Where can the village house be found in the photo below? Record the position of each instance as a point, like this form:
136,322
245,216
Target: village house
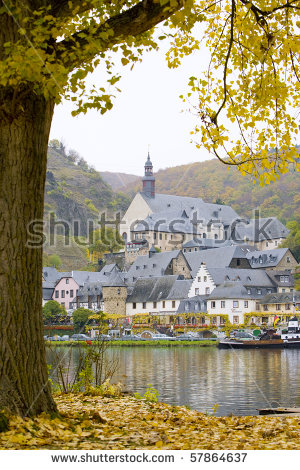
157,295
263,233
233,299
278,259
69,283
158,264
281,303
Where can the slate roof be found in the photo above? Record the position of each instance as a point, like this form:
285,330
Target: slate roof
83,277
282,298
158,288
266,258
216,258
168,208
197,304
261,229
89,292
206,243
248,277
232,290
51,275
47,293
180,289
153,266
275,276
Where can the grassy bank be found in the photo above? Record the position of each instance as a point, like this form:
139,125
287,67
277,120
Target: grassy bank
124,422
150,343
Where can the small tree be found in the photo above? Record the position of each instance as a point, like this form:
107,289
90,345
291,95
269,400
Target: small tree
81,318
54,313
55,261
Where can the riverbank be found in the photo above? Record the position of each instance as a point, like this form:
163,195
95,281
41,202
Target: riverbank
144,343
124,422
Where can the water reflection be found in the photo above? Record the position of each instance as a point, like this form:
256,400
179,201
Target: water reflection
240,382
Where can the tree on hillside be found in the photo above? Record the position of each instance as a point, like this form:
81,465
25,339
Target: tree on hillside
104,240
55,261
293,239
47,47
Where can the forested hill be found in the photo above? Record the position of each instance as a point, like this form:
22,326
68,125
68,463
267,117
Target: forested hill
76,191
211,180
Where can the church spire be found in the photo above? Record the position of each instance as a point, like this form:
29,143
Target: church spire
149,180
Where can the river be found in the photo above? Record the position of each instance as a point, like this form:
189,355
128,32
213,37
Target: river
239,382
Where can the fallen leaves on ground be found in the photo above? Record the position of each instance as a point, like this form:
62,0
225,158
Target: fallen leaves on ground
95,422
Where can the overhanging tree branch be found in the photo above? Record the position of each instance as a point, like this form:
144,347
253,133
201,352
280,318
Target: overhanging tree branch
77,50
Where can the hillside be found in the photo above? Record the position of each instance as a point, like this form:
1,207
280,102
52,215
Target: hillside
75,192
78,192
118,181
211,180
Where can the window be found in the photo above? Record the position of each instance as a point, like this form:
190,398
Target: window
165,236
62,304
197,291
222,321
134,305
187,306
277,307
276,243
56,294
288,259
235,304
287,307
160,236
199,279
154,304
207,291
62,294
257,307
248,291
173,303
216,236
154,236
286,278
259,291
205,279
283,290
266,308
213,304
214,321
236,320
238,262
67,281
222,303
71,293
196,306
144,305
246,304
164,304
269,291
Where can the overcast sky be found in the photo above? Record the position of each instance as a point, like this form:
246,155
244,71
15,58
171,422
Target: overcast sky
147,112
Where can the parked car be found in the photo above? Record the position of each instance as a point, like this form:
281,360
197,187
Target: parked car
65,338
101,338
80,337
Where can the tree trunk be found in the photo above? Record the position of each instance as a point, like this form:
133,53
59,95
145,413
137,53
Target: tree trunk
25,120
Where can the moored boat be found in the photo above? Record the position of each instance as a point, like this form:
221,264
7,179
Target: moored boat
270,339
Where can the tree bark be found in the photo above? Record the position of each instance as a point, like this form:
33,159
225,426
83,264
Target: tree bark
25,120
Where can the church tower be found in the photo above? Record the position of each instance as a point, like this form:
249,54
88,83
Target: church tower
148,179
